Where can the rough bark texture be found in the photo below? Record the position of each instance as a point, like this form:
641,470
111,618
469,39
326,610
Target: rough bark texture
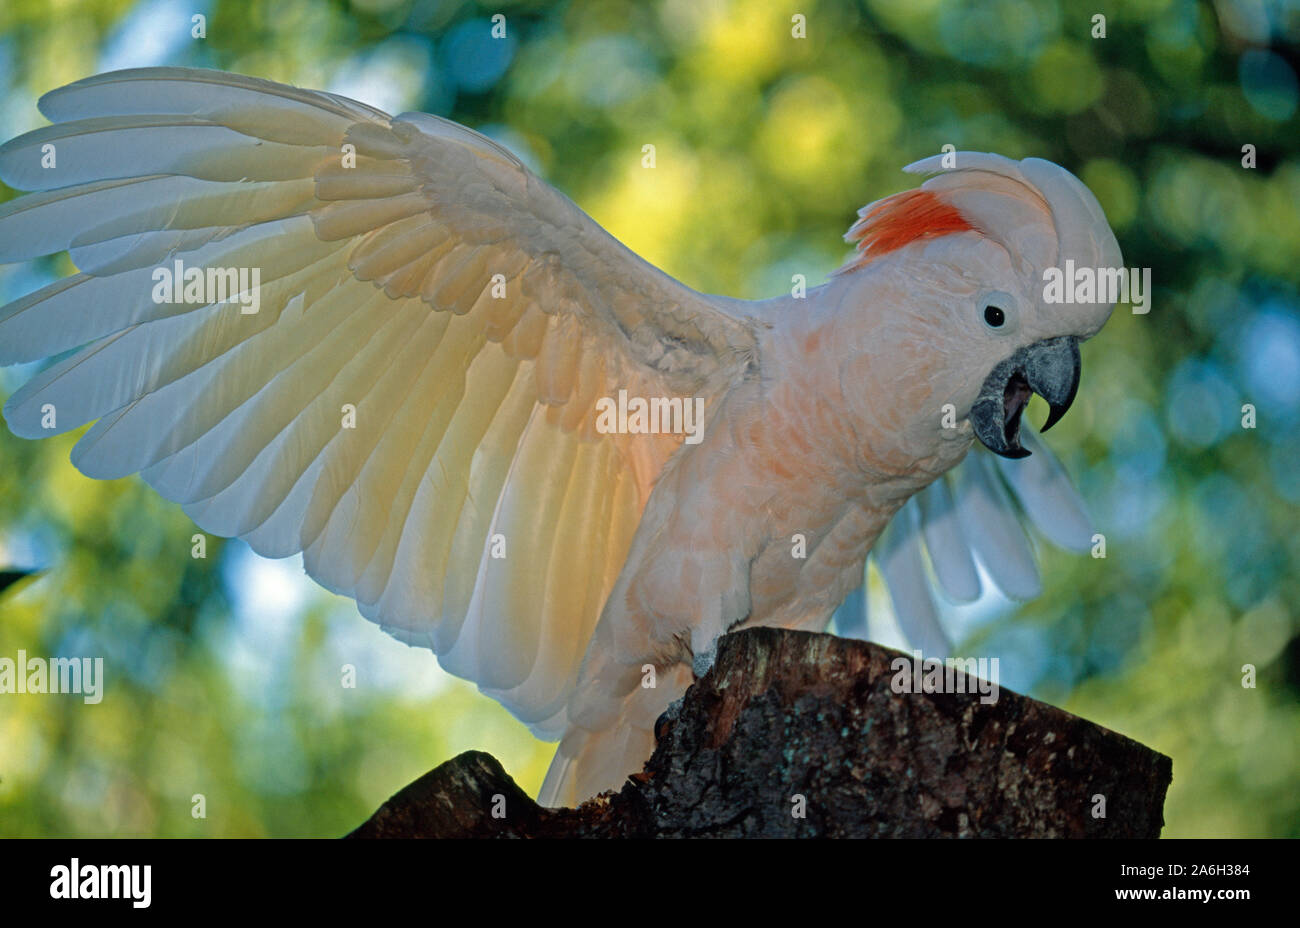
791,722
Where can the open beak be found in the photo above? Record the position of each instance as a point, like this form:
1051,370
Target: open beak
1049,368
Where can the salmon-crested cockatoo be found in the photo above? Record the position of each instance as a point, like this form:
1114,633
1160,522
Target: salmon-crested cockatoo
416,402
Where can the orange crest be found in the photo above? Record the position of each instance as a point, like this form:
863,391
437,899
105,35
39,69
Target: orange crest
893,222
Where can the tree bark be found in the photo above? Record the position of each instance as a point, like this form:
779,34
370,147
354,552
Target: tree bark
793,734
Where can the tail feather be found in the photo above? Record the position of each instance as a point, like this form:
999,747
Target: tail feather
588,763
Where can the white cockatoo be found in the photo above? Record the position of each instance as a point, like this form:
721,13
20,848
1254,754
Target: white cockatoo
431,388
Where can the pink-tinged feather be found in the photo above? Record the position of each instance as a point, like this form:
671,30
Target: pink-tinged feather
894,222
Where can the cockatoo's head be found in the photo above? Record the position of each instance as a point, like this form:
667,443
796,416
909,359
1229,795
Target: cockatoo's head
967,253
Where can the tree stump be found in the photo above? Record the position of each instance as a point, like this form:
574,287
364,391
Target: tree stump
793,734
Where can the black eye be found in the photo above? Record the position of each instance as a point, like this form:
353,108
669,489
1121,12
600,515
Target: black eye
994,316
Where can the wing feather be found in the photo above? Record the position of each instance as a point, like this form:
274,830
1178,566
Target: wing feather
966,515
434,329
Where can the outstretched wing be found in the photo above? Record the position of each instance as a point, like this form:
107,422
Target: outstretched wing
978,512
412,403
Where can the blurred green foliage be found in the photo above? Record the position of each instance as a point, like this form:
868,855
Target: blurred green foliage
223,673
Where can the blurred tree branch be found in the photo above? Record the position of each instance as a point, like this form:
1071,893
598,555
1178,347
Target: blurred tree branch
9,577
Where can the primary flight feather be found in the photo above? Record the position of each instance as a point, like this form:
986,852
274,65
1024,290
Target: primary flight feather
417,390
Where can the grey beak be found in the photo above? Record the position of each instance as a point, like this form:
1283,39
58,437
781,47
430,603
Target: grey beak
1049,368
